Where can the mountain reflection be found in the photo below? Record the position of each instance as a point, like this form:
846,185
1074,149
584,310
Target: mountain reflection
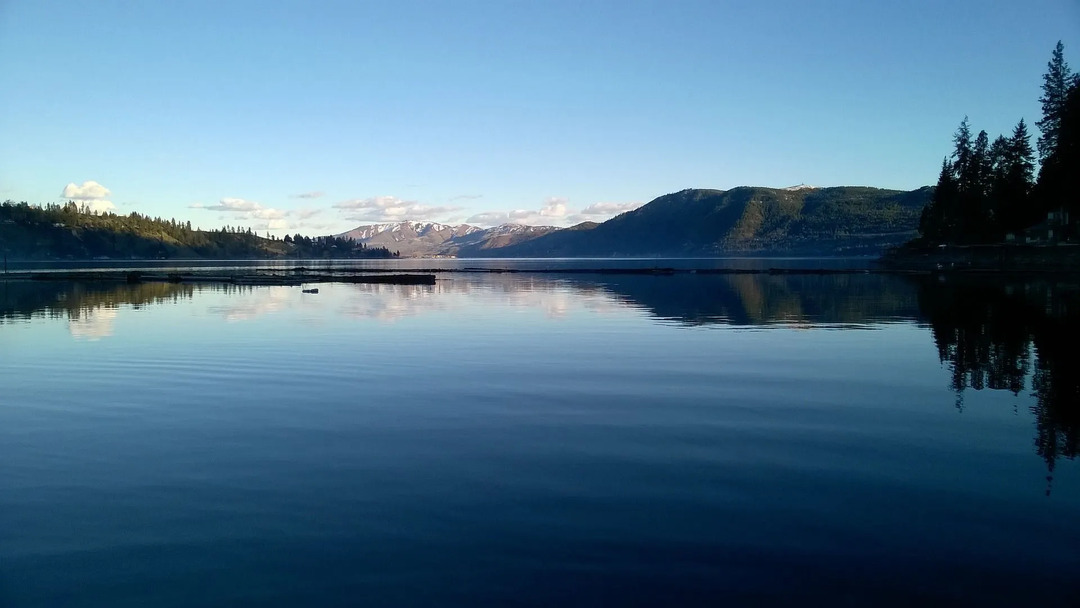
1013,335
763,299
687,299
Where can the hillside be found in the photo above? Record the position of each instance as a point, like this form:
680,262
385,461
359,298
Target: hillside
804,221
67,232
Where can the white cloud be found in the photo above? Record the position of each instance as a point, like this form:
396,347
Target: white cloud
275,224
553,212
242,209
554,207
91,195
100,206
489,218
268,214
390,209
88,191
308,195
599,212
609,208
304,214
235,204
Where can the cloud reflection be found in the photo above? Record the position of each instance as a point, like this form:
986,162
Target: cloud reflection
93,324
256,303
391,303
557,300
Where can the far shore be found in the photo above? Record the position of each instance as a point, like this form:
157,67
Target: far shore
986,260
1001,257
301,275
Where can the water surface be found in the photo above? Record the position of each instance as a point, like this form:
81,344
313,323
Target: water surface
531,440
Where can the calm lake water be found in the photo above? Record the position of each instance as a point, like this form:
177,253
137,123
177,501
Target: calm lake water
541,440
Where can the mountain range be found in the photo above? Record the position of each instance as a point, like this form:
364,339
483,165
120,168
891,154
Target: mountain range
802,220
416,239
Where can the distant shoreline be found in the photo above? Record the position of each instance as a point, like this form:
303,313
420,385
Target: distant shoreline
1005,258
427,276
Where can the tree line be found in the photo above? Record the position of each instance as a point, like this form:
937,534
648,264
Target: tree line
74,231
989,189
334,246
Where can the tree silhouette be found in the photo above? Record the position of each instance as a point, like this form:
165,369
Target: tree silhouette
1057,83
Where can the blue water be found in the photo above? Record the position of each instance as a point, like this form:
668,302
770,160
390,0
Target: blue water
523,440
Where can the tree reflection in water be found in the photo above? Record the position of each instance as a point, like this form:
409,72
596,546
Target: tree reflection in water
1013,335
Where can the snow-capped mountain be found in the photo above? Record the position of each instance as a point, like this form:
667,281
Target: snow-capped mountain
415,239
363,233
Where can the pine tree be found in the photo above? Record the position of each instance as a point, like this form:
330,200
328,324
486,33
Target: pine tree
962,152
937,223
982,163
1011,183
1056,84
1059,177
1021,156
998,196
972,174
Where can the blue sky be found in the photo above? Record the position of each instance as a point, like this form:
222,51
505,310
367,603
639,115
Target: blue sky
315,117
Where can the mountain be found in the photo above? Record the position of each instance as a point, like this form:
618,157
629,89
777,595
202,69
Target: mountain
430,238
409,238
801,220
506,235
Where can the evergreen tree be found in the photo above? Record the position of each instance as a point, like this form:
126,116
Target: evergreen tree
962,153
977,212
1021,156
982,163
1059,178
1056,84
938,221
997,196
1011,182
971,170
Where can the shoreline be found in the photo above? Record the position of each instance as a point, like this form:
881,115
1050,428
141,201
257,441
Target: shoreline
428,276
998,257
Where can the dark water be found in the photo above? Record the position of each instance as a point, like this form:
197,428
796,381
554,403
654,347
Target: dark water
521,440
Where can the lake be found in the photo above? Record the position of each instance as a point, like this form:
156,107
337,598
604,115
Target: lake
529,439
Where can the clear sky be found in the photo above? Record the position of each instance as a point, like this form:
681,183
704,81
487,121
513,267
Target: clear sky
315,117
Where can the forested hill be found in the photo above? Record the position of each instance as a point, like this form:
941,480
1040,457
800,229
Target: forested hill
68,232
805,221
802,221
